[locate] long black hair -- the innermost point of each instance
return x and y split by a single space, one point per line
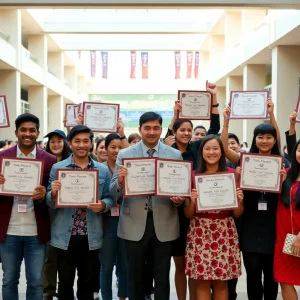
66 149
202 163
265 128
179 122
291 177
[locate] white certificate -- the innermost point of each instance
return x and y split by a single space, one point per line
71 119
216 192
249 105
196 105
4 118
21 175
102 117
261 172
140 179
79 188
173 178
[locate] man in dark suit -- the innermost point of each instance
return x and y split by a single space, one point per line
24 221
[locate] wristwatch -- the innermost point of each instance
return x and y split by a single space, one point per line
122 137
216 105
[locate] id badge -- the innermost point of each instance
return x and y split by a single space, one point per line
262 203
115 211
22 205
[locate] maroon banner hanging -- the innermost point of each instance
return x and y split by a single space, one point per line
177 64
104 56
145 61
189 64
196 66
93 63
133 63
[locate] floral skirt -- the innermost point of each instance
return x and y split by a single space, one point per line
212 249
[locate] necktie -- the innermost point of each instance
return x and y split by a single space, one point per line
150 153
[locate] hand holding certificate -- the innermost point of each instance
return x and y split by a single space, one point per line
173 178
4 118
22 176
78 188
196 105
70 116
216 192
140 179
249 104
102 117
261 172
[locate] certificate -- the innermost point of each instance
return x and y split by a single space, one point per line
79 188
21 175
102 117
71 119
76 111
140 180
4 118
216 191
298 111
261 172
196 105
249 105
173 178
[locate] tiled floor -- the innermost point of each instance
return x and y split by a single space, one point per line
241 289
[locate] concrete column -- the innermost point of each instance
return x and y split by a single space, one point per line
254 79
203 65
38 47
235 83
233 30
37 97
216 53
70 74
10 86
56 64
221 96
11 24
55 104
285 84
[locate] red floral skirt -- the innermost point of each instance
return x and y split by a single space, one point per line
212 249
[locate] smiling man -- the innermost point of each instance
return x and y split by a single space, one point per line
24 221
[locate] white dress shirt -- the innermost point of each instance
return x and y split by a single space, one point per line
23 224
145 149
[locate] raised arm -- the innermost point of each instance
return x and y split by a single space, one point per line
273 122
290 135
121 131
231 155
214 126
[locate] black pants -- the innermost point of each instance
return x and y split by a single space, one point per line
137 255
231 284
77 257
257 264
148 284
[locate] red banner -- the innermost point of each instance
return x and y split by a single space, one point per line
104 56
133 63
196 66
145 61
189 64
93 63
177 64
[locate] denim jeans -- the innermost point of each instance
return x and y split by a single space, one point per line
113 251
12 250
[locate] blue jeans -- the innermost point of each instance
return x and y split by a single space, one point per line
12 250
113 251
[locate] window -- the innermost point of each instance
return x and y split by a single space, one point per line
25 107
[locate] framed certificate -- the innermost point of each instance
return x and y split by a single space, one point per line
4 117
101 117
298 111
216 191
261 172
79 188
70 116
249 104
173 178
140 180
21 175
196 105
76 111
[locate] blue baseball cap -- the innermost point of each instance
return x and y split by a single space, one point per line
57 132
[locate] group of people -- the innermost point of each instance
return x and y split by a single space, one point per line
139 235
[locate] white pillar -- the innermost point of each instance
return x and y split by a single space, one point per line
234 83
10 86
285 84
56 64
221 96
254 79
70 76
55 104
37 97
38 46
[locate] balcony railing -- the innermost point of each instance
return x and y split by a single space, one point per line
4 36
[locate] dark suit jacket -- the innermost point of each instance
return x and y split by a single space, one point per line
40 207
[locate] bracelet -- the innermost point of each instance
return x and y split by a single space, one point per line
216 105
225 126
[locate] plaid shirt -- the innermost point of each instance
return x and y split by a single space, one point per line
80 226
